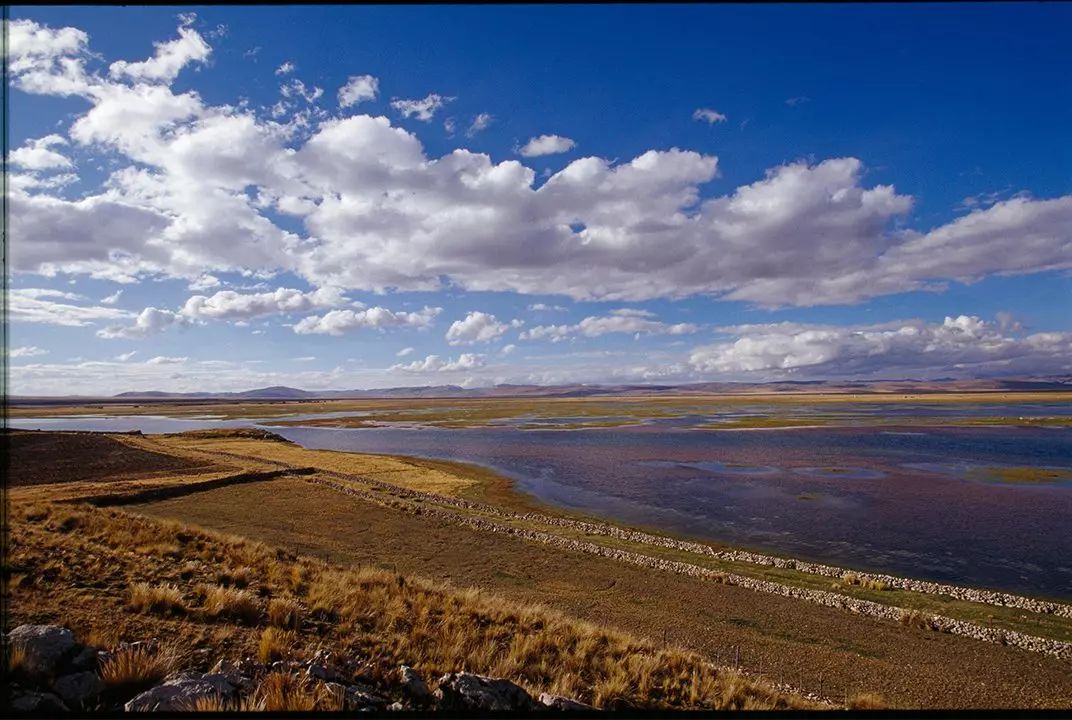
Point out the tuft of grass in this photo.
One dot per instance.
(235, 577)
(156, 599)
(854, 579)
(16, 660)
(283, 692)
(284, 613)
(231, 604)
(866, 701)
(274, 644)
(103, 636)
(915, 619)
(132, 671)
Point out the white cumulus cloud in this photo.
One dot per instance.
(358, 89)
(149, 321)
(36, 155)
(478, 327)
(546, 145)
(231, 305)
(421, 109)
(338, 322)
(962, 345)
(595, 326)
(435, 364)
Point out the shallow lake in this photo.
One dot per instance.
(899, 502)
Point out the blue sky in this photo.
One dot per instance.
(689, 193)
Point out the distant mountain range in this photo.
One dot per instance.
(900, 386)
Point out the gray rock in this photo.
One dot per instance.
(319, 672)
(45, 646)
(35, 702)
(78, 688)
(466, 691)
(360, 697)
(180, 691)
(85, 659)
(414, 684)
(557, 702)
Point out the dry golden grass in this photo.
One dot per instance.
(386, 468)
(138, 669)
(915, 619)
(16, 660)
(274, 645)
(853, 579)
(230, 604)
(283, 692)
(236, 577)
(362, 612)
(866, 701)
(284, 612)
(159, 599)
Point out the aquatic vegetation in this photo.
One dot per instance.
(1022, 474)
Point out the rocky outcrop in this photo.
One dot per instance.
(44, 647)
(78, 688)
(413, 685)
(347, 680)
(28, 701)
(180, 692)
(466, 691)
(557, 702)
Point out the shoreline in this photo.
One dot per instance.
(492, 490)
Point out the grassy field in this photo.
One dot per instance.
(114, 577)
(782, 638)
(469, 482)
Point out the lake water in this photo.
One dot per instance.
(904, 502)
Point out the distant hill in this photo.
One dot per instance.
(786, 387)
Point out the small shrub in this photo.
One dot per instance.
(229, 603)
(866, 701)
(915, 619)
(851, 579)
(285, 692)
(138, 669)
(274, 644)
(284, 613)
(158, 599)
(69, 523)
(236, 577)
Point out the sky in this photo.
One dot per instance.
(364, 197)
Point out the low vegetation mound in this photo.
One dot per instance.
(225, 433)
(111, 576)
(38, 458)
